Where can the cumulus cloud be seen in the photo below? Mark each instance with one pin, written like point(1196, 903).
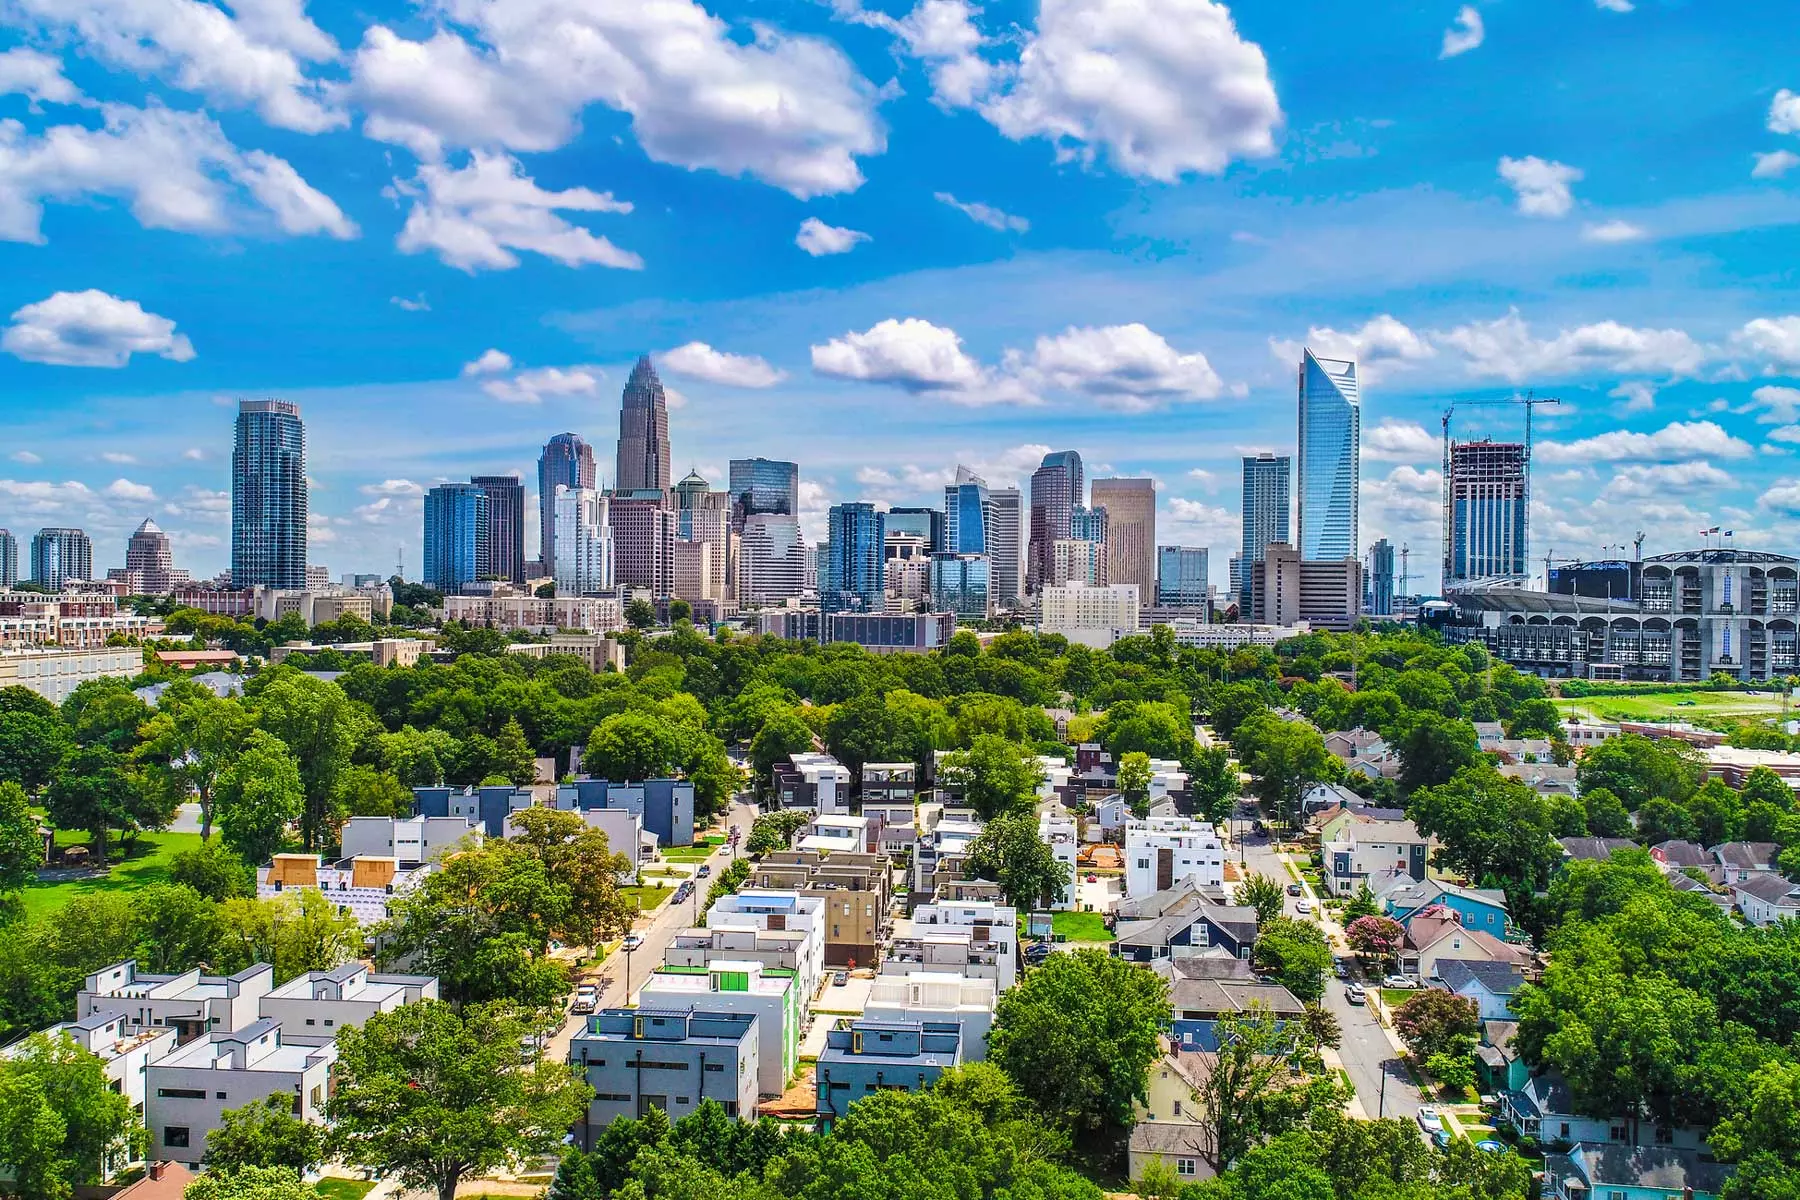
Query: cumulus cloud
point(91, 329)
point(1406, 498)
point(915, 355)
point(1638, 396)
point(1506, 348)
point(124, 489)
point(1197, 522)
point(1160, 88)
point(1619, 6)
point(1464, 34)
point(786, 109)
point(37, 77)
point(1680, 441)
point(1542, 186)
point(530, 387)
point(475, 216)
point(1394, 440)
point(697, 360)
point(117, 457)
point(393, 487)
point(1383, 343)
point(1123, 366)
point(1784, 112)
point(1655, 481)
point(817, 238)
point(491, 362)
point(985, 214)
point(1776, 340)
point(1775, 164)
point(1614, 231)
point(942, 35)
point(1775, 405)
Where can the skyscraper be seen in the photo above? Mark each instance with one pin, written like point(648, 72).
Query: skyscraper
point(584, 542)
point(567, 461)
point(457, 533)
point(962, 584)
point(1381, 578)
point(643, 432)
point(763, 485)
point(268, 496)
point(1130, 506)
point(506, 525)
point(1181, 577)
point(927, 523)
point(771, 560)
point(60, 556)
point(1330, 458)
point(9, 559)
point(968, 514)
point(1004, 545)
point(853, 575)
point(1088, 524)
point(1486, 512)
point(148, 559)
point(1265, 517)
point(1057, 490)
point(644, 544)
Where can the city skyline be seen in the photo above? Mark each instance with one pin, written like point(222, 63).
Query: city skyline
point(909, 278)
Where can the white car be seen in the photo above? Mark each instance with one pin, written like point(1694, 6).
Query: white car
point(1303, 906)
point(587, 999)
point(632, 942)
point(1400, 982)
point(1429, 1120)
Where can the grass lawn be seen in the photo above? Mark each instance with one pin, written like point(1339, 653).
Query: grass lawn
point(1699, 707)
point(344, 1189)
point(148, 864)
point(1395, 997)
point(1080, 927)
point(647, 898)
point(688, 853)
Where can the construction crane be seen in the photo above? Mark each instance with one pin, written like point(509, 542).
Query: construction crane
point(1530, 400)
point(1405, 575)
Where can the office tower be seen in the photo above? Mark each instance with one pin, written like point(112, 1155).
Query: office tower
point(457, 532)
point(1077, 560)
point(1130, 506)
point(928, 523)
point(763, 485)
point(1265, 517)
point(771, 560)
point(643, 432)
point(318, 577)
point(149, 561)
point(1287, 589)
point(968, 514)
point(962, 584)
point(567, 461)
point(1381, 578)
point(1088, 524)
point(268, 496)
point(1056, 492)
point(9, 559)
point(505, 525)
point(644, 544)
point(689, 491)
point(1181, 577)
point(584, 542)
point(853, 575)
point(1004, 545)
point(1239, 584)
point(61, 556)
point(1330, 453)
point(1485, 499)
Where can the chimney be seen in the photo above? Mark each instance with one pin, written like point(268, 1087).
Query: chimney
point(156, 1170)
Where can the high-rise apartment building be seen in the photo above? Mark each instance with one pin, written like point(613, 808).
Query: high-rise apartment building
point(457, 532)
point(1057, 490)
point(506, 525)
point(763, 485)
point(643, 432)
point(1265, 517)
point(9, 559)
point(1181, 577)
point(644, 544)
point(927, 523)
point(1485, 509)
point(853, 574)
point(269, 496)
point(61, 556)
point(962, 584)
point(1130, 506)
point(584, 542)
point(1088, 524)
point(1004, 545)
point(968, 514)
point(567, 461)
point(771, 560)
point(1330, 458)
point(149, 561)
point(1381, 578)
point(1077, 560)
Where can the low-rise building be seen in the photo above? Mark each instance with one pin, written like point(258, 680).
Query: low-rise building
point(743, 986)
point(409, 839)
point(1491, 985)
point(674, 1059)
point(1198, 926)
point(935, 998)
point(1371, 847)
point(1766, 899)
point(664, 807)
point(55, 672)
point(124, 1047)
point(362, 886)
point(188, 1092)
point(813, 780)
point(1595, 1169)
point(313, 1007)
point(487, 807)
point(857, 891)
point(870, 1056)
point(1545, 1109)
point(1160, 852)
point(189, 1002)
point(1475, 908)
point(538, 614)
point(766, 925)
point(1433, 939)
point(979, 938)
point(941, 849)
point(889, 783)
point(1093, 616)
point(1057, 829)
point(1738, 861)
point(830, 834)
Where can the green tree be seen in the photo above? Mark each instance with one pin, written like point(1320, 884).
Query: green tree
point(179, 929)
point(296, 932)
point(640, 614)
point(633, 746)
point(1264, 895)
point(1077, 1037)
point(1295, 955)
point(1534, 719)
point(315, 721)
point(582, 866)
point(1638, 769)
point(95, 791)
point(1606, 814)
point(1257, 1088)
point(213, 871)
point(1453, 1070)
point(265, 1134)
point(782, 734)
point(1433, 749)
point(1134, 780)
point(1212, 783)
point(32, 746)
point(60, 1120)
point(1010, 853)
point(1766, 786)
point(773, 831)
point(1285, 757)
point(434, 1096)
point(251, 1183)
point(259, 797)
point(1763, 1136)
point(189, 744)
point(21, 847)
point(1662, 820)
point(513, 756)
point(365, 791)
point(993, 775)
point(1362, 904)
point(1489, 826)
point(1718, 813)
point(1434, 1021)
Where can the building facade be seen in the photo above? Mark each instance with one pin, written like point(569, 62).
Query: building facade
point(567, 461)
point(643, 432)
point(269, 496)
point(1381, 578)
point(927, 523)
point(1058, 488)
point(1266, 510)
point(1076, 610)
point(9, 559)
point(505, 525)
point(968, 514)
point(644, 545)
point(763, 485)
point(872, 1056)
point(673, 1059)
point(60, 556)
point(1287, 589)
point(1074, 560)
point(1005, 546)
point(962, 584)
point(1330, 458)
point(1181, 577)
point(854, 576)
point(1162, 852)
point(149, 560)
point(1130, 506)
point(583, 543)
point(1485, 510)
point(771, 560)
point(457, 549)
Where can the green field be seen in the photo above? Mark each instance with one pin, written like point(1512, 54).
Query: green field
point(148, 864)
point(647, 898)
point(332, 1188)
point(1701, 708)
point(1080, 927)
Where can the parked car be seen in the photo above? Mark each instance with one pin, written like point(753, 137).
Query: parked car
point(1441, 1138)
point(1093, 879)
point(841, 978)
point(1341, 968)
point(1400, 982)
point(632, 942)
point(587, 999)
point(1354, 993)
point(1295, 889)
point(705, 871)
point(1303, 906)
point(1429, 1120)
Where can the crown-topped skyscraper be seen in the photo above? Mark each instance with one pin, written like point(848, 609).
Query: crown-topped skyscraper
point(643, 432)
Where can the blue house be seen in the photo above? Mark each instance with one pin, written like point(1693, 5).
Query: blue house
point(1475, 908)
point(1597, 1171)
point(1196, 926)
point(664, 806)
point(667, 1058)
point(872, 1056)
point(489, 806)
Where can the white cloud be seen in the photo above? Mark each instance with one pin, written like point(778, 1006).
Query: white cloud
point(1774, 164)
point(1162, 88)
point(1677, 442)
point(698, 360)
point(1542, 186)
point(789, 110)
point(254, 61)
point(1775, 339)
point(1638, 395)
point(1202, 475)
point(1464, 34)
point(1787, 433)
point(1123, 366)
point(25, 456)
point(985, 214)
point(491, 362)
point(917, 356)
point(1406, 498)
point(91, 329)
point(194, 454)
point(1382, 343)
point(1614, 231)
point(1656, 481)
point(1199, 523)
point(117, 457)
point(1784, 112)
point(530, 387)
point(817, 238)
point(37, 77)
point(1618, 6)
point(1777, 405)
point(393, 487)
point(416, 304)
point(1505, 348)
point(1400, 441)
point(477, 215)
point(177, 170)
point(124, 489)
point(942, 35)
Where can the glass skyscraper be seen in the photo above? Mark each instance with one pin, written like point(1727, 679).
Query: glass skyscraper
point(643, 432)
point(763, 485)
point(1487, 497)
point(1181, 576)
point(853, 572)
point(1330, 470)
point(268, 496)
point(506, 525)
point(60, 556)
point(458, 545)
point(1057, 489)
point(927, 523)
point(962, 584)
point(9, 558)
point(968, 514)
point(1265, 516)
point(1381, 578)
point(567, 461)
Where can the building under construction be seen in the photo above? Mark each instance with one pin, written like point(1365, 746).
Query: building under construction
point(1486, 500)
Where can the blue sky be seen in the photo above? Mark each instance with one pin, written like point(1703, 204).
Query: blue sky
point(883, 239)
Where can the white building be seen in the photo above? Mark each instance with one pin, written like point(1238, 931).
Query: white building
point(781, 922)
point(625, 834)
point(1056, 829)
point(919, 996)
point(947, 841)
point(312, 1008)
point(409, 839)
point(829, 833)
point(537, 614)
point(125, 1048)
point(1191, 631)
point(992, 928)
point(772, 560)
point(1093, 616)
point(1766, 899)
point(1367, 848)
point(361, 886)
point(188, 1092)
point(584, 542)
point(190, 1003)
point(816, 781)
point(54, 673)
point(771, 995)
point(1163, 852)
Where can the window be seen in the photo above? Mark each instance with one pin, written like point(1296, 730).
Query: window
point(715, 1066)
point(1185, 1166)
point(1664, 1135)
point(181, 1094)
point(1178, 1108)
point(310, 1021)
point(175, 1136)
point(1615, 1133)
point(220, 1096)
